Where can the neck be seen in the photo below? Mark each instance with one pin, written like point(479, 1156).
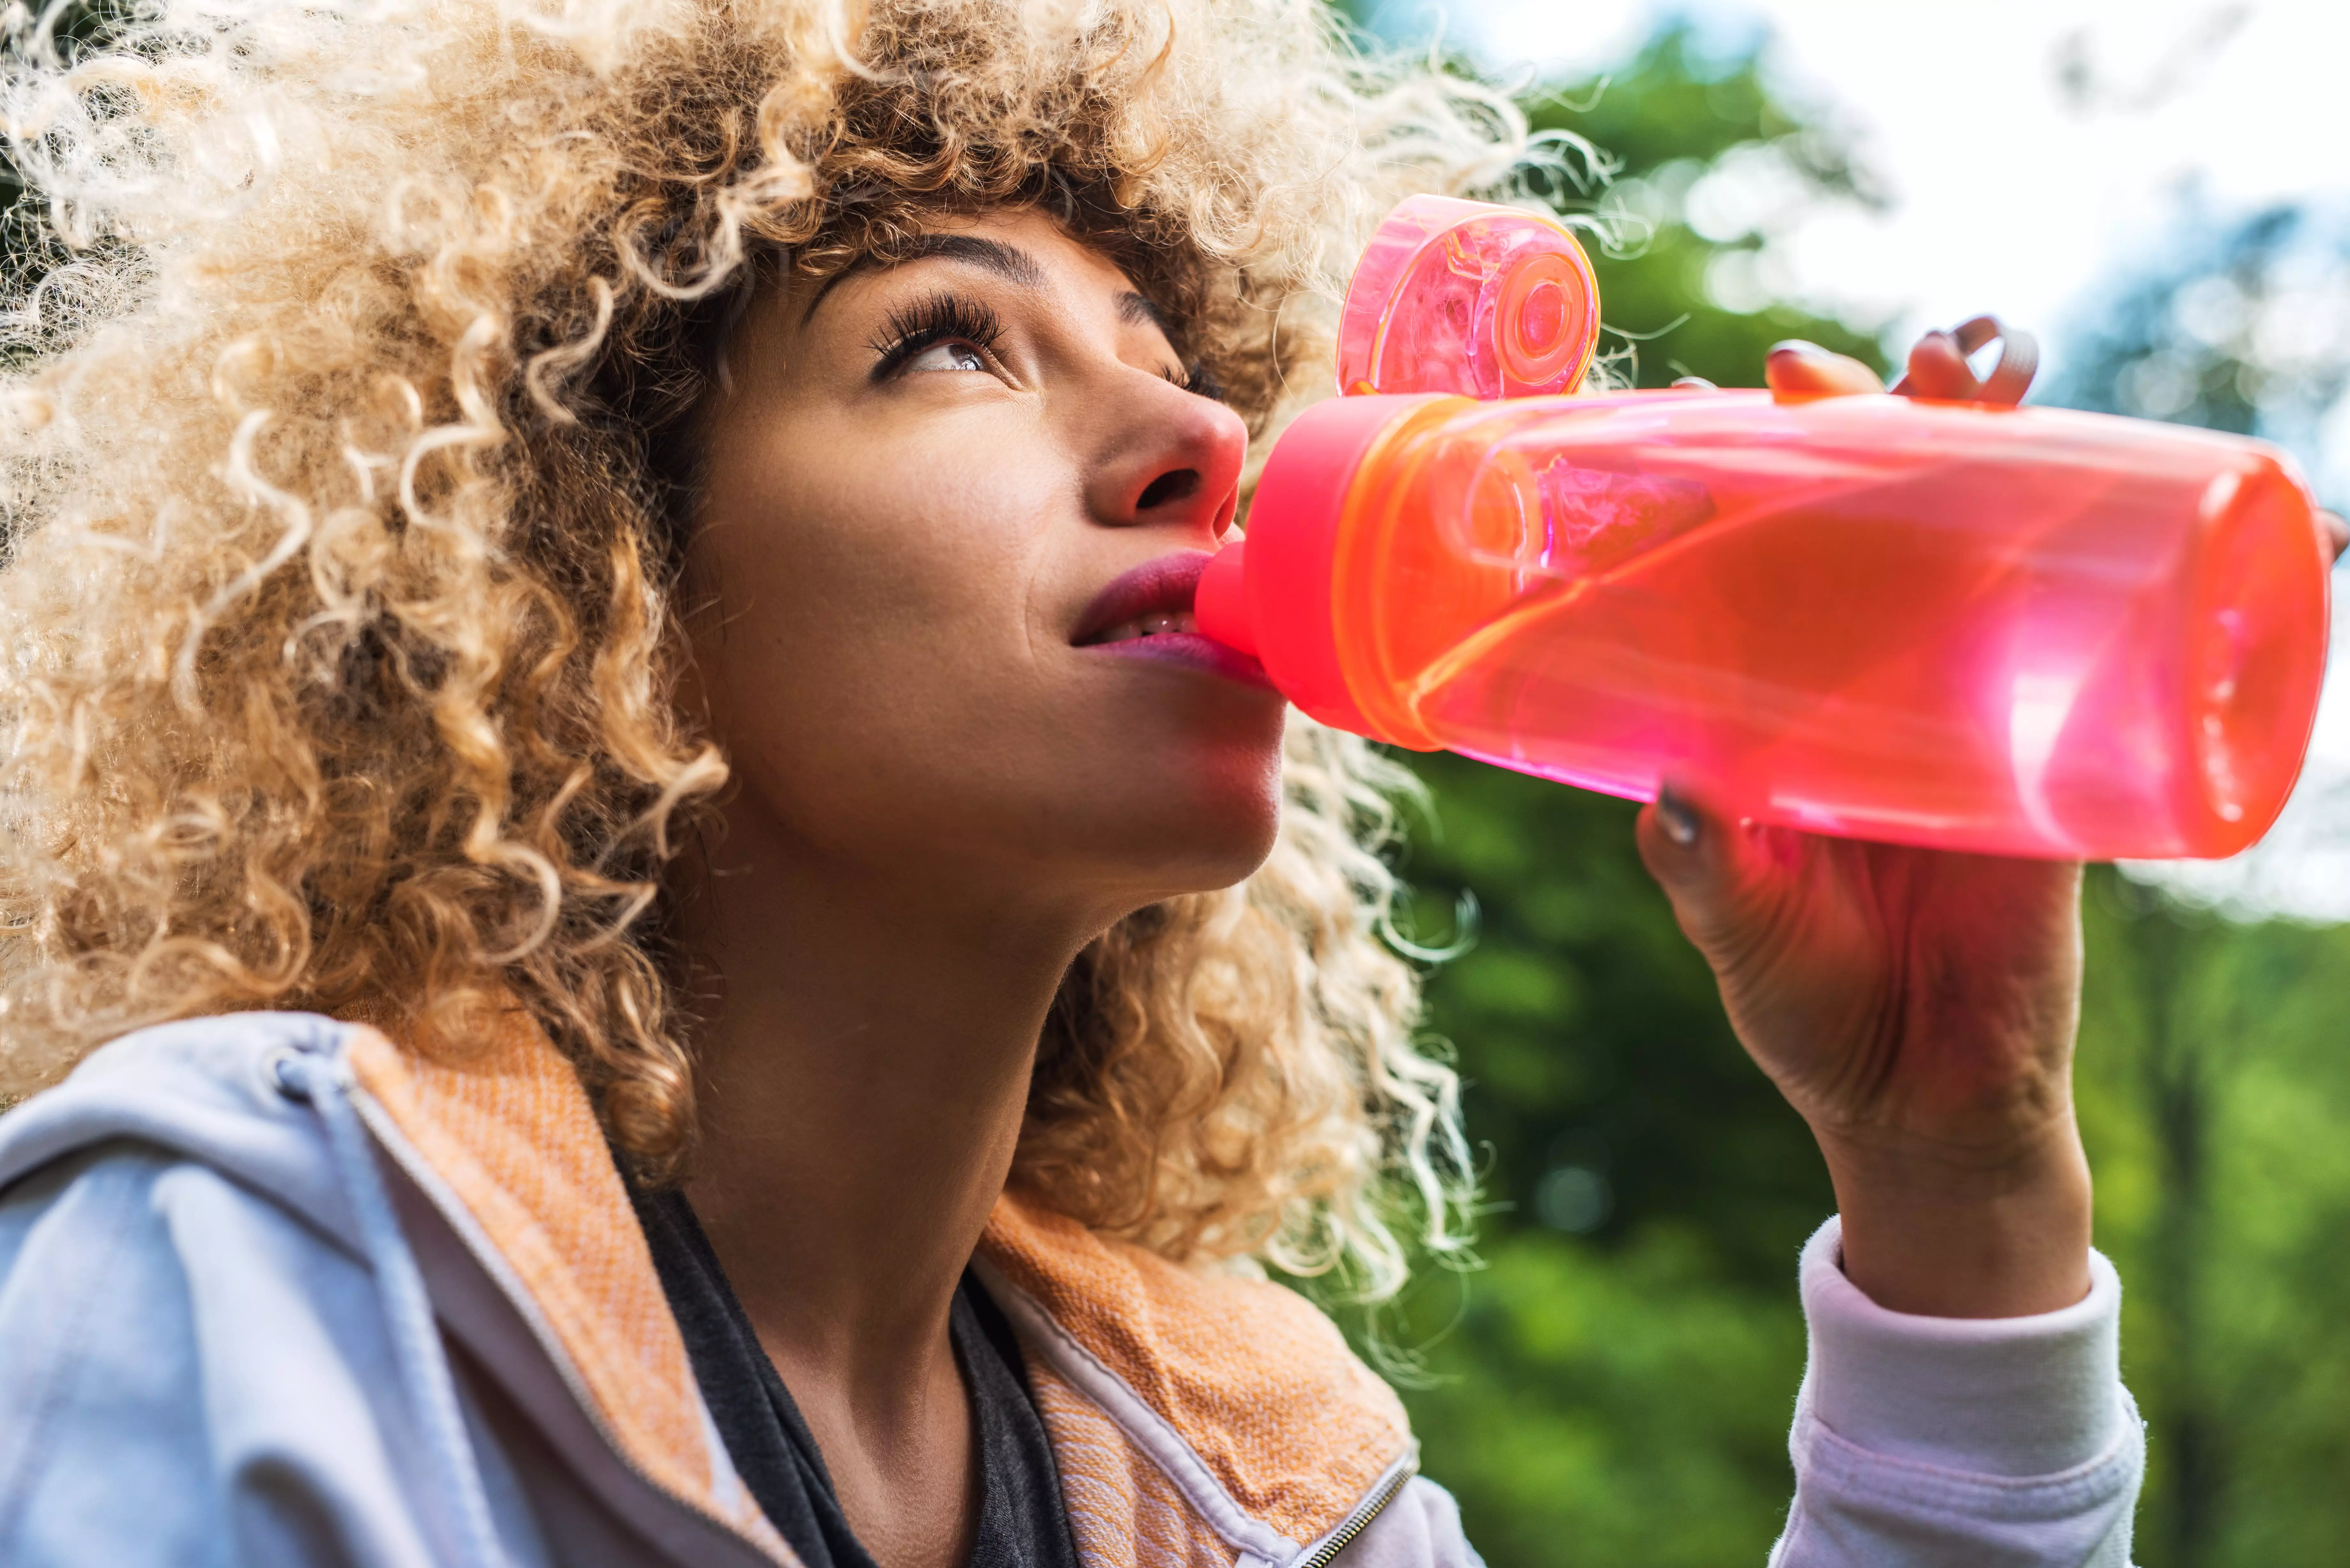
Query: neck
point(862, 1088)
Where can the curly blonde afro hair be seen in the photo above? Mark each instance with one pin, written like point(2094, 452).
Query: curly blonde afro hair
point(342, 511)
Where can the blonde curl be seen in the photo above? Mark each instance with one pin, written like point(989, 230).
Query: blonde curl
point(344, 460)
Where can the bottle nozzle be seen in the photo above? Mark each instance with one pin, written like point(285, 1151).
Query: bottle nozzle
point(1220, 603)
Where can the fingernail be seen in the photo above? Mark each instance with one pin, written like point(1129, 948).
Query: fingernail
point(1679, 817)
point(1797, 346)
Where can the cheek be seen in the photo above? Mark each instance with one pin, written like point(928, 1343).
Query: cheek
point(860, 557)
point(874, 609)
point(886, 660)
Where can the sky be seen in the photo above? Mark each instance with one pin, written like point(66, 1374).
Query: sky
point(2033, 155)
point(2028, 149)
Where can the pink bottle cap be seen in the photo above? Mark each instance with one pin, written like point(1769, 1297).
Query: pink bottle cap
point(1471, 298)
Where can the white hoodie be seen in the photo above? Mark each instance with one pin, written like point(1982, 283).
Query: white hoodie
point(274, 1292)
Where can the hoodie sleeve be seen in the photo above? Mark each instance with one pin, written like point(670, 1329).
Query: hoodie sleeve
point(1991, 1443)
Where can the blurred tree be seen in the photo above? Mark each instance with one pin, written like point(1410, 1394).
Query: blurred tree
point(2213, 1091)
point(1697, 165)
point(1711, 166)
point(2213, 1084)
point(1615, 1387)
point(2246, 330)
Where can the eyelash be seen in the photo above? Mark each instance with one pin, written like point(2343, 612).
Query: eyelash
point(952, 318)
point(940, 318)
point(1194, 378)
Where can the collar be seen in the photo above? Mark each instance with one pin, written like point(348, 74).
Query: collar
point(1208, 1408)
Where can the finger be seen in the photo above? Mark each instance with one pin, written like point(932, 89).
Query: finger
point(2337, 532)
point(2010, 375)
point(1801, 368)
point(1706, 860)
point(1939, 369)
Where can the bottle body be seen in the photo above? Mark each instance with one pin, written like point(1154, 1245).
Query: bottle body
point(2017, 631)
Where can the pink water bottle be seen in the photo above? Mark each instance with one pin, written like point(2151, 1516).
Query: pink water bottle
point(2024, 631)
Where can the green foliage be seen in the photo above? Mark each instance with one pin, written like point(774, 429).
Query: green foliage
point(2213, 1087)
point(1591, 1033)
point(1620, 1395)
point(1612, 1405)
point(1666, 119)
point(1614, 1388)
point(1619, 1376)
point(2213, 1079)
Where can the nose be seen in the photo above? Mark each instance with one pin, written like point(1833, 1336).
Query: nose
point(1174, 461)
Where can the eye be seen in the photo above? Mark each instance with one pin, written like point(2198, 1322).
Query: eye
point(1195, 379)
point(943, 332)
point(950, 356)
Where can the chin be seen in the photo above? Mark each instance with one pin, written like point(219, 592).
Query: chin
point(1224, 863)
point(1160, 846)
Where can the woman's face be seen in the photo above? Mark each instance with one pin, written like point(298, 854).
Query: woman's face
point(953, 511)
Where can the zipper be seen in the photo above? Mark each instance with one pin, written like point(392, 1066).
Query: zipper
point(1369, 1509)
point(1166, 1450)
point(404, 1154)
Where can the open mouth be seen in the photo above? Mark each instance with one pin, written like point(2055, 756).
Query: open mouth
point(1146, 613)
point(1154, 599)
point(1158, 623)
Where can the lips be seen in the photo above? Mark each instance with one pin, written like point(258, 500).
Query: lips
point(1146, 613)
point(1154, 599)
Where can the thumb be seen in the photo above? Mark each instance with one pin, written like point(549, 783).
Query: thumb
point(1715, 870)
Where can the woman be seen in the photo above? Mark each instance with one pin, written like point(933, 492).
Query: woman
point(599, 606)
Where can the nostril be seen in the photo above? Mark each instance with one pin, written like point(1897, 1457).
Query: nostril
point(1179, 485)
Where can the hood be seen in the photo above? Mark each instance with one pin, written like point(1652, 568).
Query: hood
point(204, 1090)
point(1193, 1416)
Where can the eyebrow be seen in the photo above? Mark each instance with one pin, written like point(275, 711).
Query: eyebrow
point(1009, 263)
point(1136, 310)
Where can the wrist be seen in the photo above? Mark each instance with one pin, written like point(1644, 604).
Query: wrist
point(1965, 1233)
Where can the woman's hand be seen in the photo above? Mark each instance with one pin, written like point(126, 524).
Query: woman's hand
point(1916, 1006)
